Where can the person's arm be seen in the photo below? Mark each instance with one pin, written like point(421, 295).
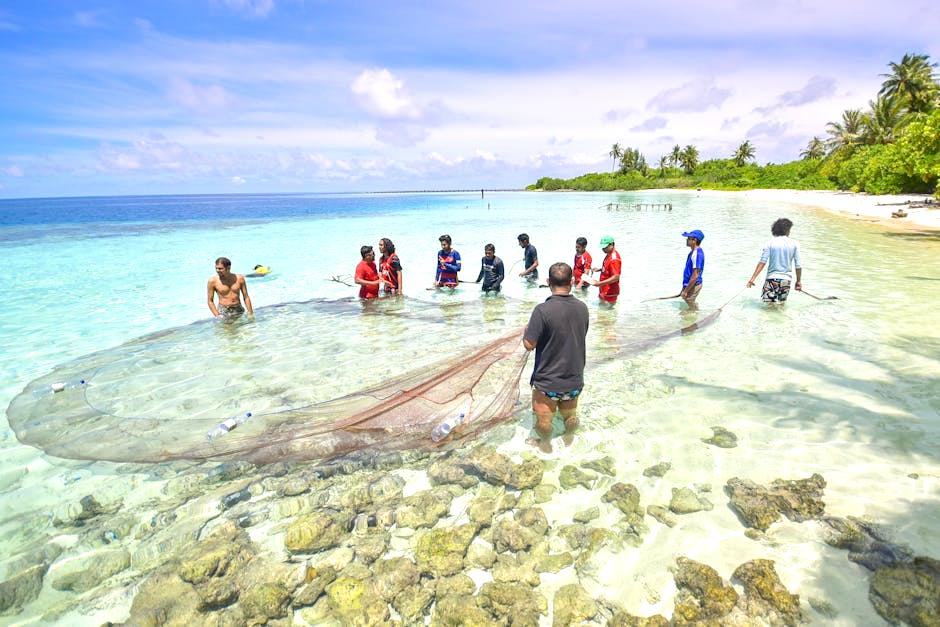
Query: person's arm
point(454, 266)
point(210, 298)
point(799, 279)
point(799, 268)
point(482, 271)
point(530, 337)
point(359, 280)
point(757, 270)
point(614, 276)
point(246, 297)
point(690, 285)
point(531, 269)
point(500, 273)
point(401, 281)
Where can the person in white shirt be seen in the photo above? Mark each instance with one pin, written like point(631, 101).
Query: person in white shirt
point(779, 256)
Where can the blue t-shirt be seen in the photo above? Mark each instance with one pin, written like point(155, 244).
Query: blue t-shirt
point(691, 264)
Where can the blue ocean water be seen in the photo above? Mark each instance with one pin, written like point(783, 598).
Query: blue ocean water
point(846, 388)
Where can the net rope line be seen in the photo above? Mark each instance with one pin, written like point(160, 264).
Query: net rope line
point(422, 395)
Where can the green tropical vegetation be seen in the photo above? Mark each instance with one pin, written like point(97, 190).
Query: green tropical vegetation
point(892, 147)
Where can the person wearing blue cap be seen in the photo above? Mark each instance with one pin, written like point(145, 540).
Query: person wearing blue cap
point(694, 267)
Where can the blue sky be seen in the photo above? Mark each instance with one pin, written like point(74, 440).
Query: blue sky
point(298, 95)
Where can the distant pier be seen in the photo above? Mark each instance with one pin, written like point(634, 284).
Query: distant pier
point(643, 206)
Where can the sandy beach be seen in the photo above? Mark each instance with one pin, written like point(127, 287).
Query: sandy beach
point(861, 206)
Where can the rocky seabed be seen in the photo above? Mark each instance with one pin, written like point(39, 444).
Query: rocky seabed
point(458, 538)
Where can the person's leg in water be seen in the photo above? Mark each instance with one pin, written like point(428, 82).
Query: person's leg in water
point(569, 411)
point(544, 409)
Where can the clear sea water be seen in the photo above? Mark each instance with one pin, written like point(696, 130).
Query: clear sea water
point(847, 388)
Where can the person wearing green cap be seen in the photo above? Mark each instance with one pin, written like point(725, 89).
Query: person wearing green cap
point(609, 281)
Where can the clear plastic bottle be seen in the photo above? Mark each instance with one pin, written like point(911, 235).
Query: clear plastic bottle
point(443, 429)
point(228, 425)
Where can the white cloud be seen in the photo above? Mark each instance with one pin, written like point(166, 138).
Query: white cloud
point(652, 124)
point(382, 94)
point(697, 95)
point(250, 8)
point(237, 180)
point(87, 19)
point(13, 170)
point(817, 88)
point(196, 98)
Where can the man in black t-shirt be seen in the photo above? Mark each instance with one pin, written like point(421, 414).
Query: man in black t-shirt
point(530, 259)
point(557, 330)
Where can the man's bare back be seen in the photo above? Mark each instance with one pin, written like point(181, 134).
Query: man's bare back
point(231, 289)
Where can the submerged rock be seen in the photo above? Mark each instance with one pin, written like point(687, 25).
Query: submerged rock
point(702, 596)
point(866, 543)
point(721, 438)
point(908, 593)
point(625, 497)
point(264, 602)
point(657, 470)
point(510, 569)
point(587, 515)
point(603, 465)
point(519, 603)
point(412, 603)
point(570, 477)
point(624, 619)
point(572, 605)
point(165, 599)
point(458, 584)
point(533, 519)
point(450, 471)
point(498, 469)
point(510, 535)
point(21, 588)
point(424, 509)
point(685, 501)
point(441, 551)
point(661, 514)
point(765, 596)
point(317, 531)
point(392, 576)
point(315, 582)
point(760, 506)
point(355, 603)
point(88, 571)
point(480, 555)
point(461, 611)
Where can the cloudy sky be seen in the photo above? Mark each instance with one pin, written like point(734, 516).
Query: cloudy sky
point(193, 96)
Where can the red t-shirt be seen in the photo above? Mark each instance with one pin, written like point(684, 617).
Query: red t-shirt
point(366, 271)
point(390, 266)
point(610, 268)
point(582, 264)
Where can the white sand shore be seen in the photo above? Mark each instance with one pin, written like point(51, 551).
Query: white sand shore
point(865, 206)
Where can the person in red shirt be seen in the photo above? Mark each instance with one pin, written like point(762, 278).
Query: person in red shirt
point(609, 282)
point(390, 267)
point(367, 277)
point(582, 263)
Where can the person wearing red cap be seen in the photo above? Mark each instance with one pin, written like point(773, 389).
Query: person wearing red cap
point(694, 267)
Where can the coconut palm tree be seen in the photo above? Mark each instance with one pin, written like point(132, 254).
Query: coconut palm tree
point(882, 120)
point(615, 153)
point(662, 165)
point(675, 154)
point(744, 153)
point(815, 149)
point(847, 132)
point(913, 81)
point(689, 158)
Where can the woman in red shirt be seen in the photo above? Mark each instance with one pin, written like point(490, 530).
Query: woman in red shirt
point(390, 267)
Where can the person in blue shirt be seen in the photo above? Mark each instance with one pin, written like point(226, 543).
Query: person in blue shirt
point(492, 272)
point(530, 259)
point(448, 264)
point(694, 267)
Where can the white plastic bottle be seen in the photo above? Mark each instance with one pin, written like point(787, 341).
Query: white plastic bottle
point(67, 385)
point(228, 425)
point(443, 429)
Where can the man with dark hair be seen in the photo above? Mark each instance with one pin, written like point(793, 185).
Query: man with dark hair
point(779, 256)
point(694, 267)
point(582, 263)
point(556, 331)
point(231, 288)
point(448, 264)
point(367, 276)
point(492, 272)
point(530, 259)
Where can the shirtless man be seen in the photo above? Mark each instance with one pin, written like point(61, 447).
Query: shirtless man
point(231, 288)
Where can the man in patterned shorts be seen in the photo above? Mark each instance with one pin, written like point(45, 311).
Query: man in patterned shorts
point(779, 256)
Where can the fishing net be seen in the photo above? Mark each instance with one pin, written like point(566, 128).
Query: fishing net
point(159, 397)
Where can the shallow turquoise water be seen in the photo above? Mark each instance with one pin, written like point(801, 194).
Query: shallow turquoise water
point(847, 388)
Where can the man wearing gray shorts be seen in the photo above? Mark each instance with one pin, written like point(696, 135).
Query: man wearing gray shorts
point(556, 331)
point(779, 256)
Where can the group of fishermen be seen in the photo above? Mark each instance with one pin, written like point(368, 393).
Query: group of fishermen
point(557, 328)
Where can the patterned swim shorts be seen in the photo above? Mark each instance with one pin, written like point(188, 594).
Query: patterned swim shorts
point(560, 396)
point(775, 290)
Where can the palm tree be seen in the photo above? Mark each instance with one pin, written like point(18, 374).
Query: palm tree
point(688, 157)
point(675, 154)
point(912, 80)
point(847, 132)
point(631, 160)
point(615, 153)
point(815, 149)
point(883, 118)
point(663, 163)
point(744, 153)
